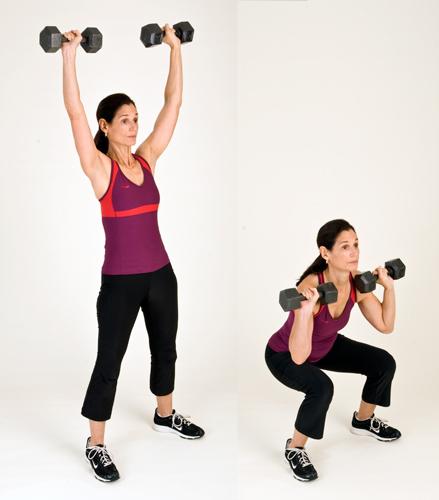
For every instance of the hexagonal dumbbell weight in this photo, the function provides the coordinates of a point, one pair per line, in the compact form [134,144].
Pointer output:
[290,298]
[152,34]
[51,39]
[366,282]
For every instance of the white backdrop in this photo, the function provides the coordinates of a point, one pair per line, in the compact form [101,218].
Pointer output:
[337,118]
[53,247]
[337,105]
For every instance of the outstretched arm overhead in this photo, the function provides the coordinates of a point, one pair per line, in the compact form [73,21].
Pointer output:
[164,126]
[92,160]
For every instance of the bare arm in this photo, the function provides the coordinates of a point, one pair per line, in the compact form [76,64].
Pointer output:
[300,340]
[90,157]
[164,126]
[381,315]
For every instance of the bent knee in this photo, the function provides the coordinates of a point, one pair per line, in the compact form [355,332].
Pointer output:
[322,389]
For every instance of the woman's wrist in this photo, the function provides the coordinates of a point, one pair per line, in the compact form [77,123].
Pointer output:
[69,55]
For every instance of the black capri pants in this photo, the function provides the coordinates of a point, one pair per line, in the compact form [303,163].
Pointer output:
[120,298]
[346,355]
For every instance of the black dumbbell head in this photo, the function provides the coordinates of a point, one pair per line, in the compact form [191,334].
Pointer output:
[395,268]
[151,34]
[50,39]
[365,282]
[91,40]
[328,293]
[290,299]
[184,31]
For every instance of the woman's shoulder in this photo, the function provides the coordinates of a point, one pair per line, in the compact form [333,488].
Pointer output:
[311,281]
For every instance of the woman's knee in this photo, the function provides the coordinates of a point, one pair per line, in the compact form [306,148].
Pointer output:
[387,362]
[164,356]
[322,389]
[383,363]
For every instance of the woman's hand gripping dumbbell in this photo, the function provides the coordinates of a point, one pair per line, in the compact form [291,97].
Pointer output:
[366,282]
[291,298]
[152,34]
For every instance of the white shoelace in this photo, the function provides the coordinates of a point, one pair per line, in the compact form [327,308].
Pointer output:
[104,455]
[179,420]
[376,423]
[303,457]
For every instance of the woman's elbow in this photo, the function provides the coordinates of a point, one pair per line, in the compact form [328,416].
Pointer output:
[386,329]
[298,359]
[174,101]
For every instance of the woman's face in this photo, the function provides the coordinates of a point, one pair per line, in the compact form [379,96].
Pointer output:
[345,252]
[123,129]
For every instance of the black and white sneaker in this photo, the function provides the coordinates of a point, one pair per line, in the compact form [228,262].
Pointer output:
[101,462]
[374,427]
[302,468]
[177,424]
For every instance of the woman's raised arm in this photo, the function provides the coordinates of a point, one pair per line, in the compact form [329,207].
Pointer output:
[156,142]
[90,157]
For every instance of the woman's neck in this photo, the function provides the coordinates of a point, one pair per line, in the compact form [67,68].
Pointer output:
[122,155]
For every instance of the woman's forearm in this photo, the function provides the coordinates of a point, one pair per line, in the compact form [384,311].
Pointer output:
[300,341]
[71,94]
[388,307]
[174,84]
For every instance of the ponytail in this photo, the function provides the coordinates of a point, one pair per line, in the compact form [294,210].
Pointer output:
[101,142]
[318,266]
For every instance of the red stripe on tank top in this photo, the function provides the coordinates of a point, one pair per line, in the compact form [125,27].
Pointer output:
[143,162]
[107,198]
[107,208]
[132,211]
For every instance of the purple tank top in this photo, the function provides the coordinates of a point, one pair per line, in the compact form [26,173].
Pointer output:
[129,215]
[325,327]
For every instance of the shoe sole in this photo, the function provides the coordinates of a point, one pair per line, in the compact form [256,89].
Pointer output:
[364,432]
[304,480]
[98,477]
[164,428]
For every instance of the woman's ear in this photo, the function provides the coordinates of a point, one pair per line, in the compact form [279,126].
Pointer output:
[102,125]
[324,253]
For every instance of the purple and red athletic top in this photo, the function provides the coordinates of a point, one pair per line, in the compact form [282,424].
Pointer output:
[325,328]
[129,215]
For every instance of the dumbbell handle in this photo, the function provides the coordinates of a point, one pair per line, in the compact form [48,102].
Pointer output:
[64,39]
[389,272]
[302,297]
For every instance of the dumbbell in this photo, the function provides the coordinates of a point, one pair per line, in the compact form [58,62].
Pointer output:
[366,282]
[51,39]
[152,34]
[290,298]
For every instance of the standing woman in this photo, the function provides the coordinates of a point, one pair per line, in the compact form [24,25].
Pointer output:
[136,273]
[309,342]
